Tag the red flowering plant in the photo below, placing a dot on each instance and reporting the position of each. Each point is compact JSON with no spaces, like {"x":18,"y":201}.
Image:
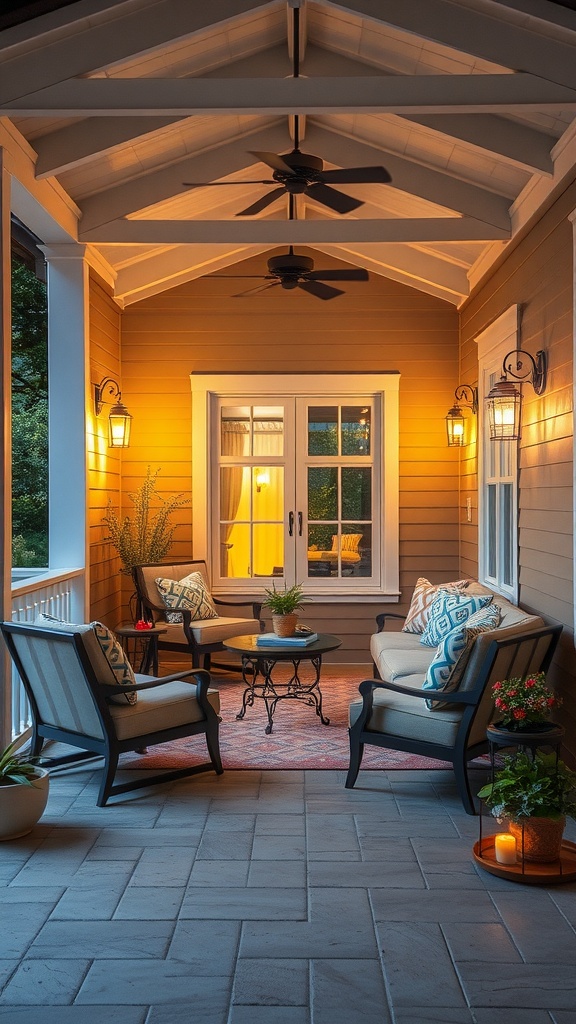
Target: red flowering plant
{"x":525,"y":702}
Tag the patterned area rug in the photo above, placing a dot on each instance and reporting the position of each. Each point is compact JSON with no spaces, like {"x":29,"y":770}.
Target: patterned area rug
{"x":298,"y":739}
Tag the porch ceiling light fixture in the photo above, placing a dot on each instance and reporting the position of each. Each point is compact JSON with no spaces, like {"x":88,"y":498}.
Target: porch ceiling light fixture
{"x":466,"y":396}
{"x":504,"y":401}
{"x":120,"y":420}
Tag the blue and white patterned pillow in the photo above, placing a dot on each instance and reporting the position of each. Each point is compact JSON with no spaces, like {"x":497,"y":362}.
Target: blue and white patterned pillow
{"x":190,"y":594}
{"x":447,"y":666}
{"x":448,"y":611}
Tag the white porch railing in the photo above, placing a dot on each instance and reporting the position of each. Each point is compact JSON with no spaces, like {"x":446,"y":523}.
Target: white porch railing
{"x":58,"y":593}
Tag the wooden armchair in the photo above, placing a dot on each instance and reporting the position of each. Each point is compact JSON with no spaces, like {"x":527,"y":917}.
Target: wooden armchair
{"x":71,"y":688}
{"x":198,"y":637}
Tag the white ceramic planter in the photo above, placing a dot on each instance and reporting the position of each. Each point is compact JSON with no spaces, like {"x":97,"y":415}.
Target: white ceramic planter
{"x":22,"y":806}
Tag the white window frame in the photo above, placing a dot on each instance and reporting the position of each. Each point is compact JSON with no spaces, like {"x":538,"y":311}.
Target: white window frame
{"x":384,"y":386}
{"x":501,"y":337}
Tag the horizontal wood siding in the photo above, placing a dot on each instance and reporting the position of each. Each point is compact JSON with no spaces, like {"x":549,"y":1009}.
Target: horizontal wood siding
{"x":537,"y":275}
{"x":375,"y":326}
{"x":104,"y":464}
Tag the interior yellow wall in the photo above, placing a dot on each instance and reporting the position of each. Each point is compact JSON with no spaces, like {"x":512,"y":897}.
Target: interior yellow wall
{"x":375,"y":326}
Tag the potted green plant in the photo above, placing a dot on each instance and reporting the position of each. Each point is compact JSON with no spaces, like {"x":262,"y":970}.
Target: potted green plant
{"x":534,"y":794}
{"x":23,"y":793}
{"x":284,"y":605}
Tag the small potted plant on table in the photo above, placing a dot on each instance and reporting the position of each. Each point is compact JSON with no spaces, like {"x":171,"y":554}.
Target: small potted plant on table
{"x":525,"y":705}
{"x":23,"y":793}
{"x":284,"y":605}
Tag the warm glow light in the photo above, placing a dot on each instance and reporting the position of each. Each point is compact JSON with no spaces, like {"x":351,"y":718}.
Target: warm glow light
{"x":119,"y":427}
{"x":262,"y":479}
{"x":505,"y":848}
{"x":455,"y":427}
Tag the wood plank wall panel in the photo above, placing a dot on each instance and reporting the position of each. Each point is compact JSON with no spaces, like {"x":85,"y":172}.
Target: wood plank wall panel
{"x":375,"y":326}
{"x":104,"y":464}
{"x":537,"y":275}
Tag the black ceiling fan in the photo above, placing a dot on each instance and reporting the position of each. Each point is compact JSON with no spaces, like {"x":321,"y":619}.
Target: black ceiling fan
{"x":298,"y":173}
{"x":290,"y":270}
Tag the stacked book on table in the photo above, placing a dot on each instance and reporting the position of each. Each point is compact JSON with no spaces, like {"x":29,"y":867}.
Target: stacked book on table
{"x":273,"y":640}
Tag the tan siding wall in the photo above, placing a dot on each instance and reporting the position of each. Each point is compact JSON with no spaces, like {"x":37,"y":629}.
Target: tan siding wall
{"x":380,"y":325}
{"x":104,"y":464}
{"x":538,"y":276}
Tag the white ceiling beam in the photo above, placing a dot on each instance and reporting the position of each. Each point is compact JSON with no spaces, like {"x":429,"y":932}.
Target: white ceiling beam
{"x":409,"y":265}
{"x":307,"y":232}
{"x":149,"y":189}
{"x":161,"y":270}
{"x":75,"y":144}
{"x":430,"y":94}
{"x":97,"y":43}
{"x":408,"y":176}
{"x":517,"y":143}
{"x":511,"y":43}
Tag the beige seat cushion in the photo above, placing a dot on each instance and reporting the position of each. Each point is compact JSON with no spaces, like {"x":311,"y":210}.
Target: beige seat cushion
{"x":408,"y":717}
{"x":162,"y":707}
{"x":210,"y":631}
{"x":397,"y":655}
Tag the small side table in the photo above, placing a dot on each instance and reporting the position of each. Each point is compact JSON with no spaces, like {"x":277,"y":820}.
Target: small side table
{"x":148,"y":638}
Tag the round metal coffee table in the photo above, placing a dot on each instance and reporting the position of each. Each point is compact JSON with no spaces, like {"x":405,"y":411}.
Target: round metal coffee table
{"x":259,"y":664}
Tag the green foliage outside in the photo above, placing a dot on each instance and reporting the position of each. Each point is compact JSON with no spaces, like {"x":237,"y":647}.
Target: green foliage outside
{"x":29,"y":418}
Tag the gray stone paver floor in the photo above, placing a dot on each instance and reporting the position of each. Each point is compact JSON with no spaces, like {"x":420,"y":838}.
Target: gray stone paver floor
{"x":275,"y":898}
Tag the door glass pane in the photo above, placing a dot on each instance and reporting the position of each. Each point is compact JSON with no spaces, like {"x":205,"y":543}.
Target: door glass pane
{"x":491,"y":530}
{"x":268,"y":549}
{"x":356,"y":493}
{"x":355,"y":430}
{"x":507,"y":532}
{"x":268,"y":430}
{"x":322,"y":492}
{"x":235,"y":550}
{"x":323,"y":430}
{"x":268,"y":493}
{"x":235,"y":430}
{"x":322,"y":559}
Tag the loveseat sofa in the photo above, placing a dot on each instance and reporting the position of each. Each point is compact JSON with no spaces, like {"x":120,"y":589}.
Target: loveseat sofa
{"x":397,"y":709}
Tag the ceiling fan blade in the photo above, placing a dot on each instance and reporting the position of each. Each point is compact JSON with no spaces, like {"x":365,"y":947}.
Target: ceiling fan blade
{"x":319,"y":290}
{"x":338,"y":275}
{"x":350,"y":175}
{"x":214,"y":184}
{"x":334,"y":200}
{"x":255,"y":291}
{"x":273,"y":160}
{"x":261,"y":204}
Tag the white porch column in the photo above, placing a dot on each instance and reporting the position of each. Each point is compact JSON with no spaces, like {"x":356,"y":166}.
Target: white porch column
{"x":5,"y":446}
{"x":68,"y":391}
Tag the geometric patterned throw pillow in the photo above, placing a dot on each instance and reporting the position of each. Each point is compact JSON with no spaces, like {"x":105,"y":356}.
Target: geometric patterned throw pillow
{"x":116,"y":658}
{"x":421,"y":603}
{"x":112,"y":650}
{"x":448,"y":611}
{"x":189,"y":594}
{"x":448,"y":665}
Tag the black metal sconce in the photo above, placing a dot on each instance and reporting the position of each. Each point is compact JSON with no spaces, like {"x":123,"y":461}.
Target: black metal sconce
{"x":120,"y":420}
{"x":504,"y":401}
{"x":466,"y":396}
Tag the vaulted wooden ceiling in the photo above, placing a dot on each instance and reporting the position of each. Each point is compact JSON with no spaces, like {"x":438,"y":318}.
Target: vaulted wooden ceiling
{"x":470,"y":105}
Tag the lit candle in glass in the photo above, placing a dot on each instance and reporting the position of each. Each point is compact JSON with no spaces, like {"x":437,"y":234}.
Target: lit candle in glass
{"x":505,"y":848}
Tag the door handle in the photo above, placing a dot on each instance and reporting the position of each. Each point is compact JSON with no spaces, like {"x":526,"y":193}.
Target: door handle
{"x":299,"y":524}
{"x":290,"y":524}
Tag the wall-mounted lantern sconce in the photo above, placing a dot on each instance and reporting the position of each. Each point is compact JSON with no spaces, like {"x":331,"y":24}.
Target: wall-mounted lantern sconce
{"x":504,"y":401}
{"x":466,"y":396}
{"x":120,"y":419}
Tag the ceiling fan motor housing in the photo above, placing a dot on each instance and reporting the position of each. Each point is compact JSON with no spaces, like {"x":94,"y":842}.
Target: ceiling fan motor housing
{"x":290,"y":263}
